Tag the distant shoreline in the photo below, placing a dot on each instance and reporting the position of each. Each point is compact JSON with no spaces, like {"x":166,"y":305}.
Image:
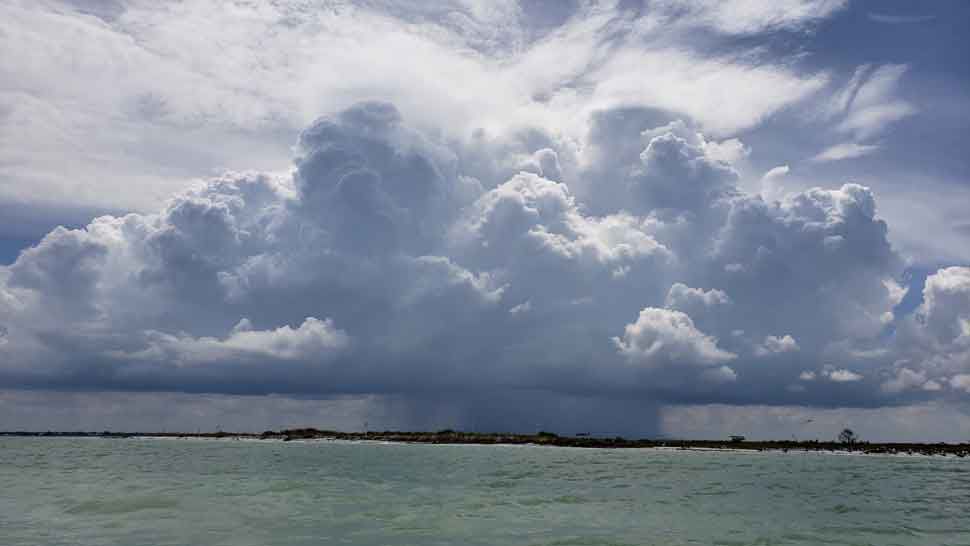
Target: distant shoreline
{"x":448,"y":437}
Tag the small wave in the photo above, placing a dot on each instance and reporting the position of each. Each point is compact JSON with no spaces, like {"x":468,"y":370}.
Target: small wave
{"x":123,"y":505}
{"x":844,"y":509}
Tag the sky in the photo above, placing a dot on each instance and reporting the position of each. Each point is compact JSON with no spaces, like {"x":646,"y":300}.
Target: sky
{"x":685,"y":218}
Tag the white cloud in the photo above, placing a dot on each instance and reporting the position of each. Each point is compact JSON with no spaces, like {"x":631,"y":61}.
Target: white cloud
{"x":429,"y":277}
{"x":523,"y":307}
{"x":784,"y":250}
{"x":684,"y":298}
{"x":841,"y":375}
{"x":689,"y":84}
{"x":530,"y":214}
{"x":866,"y":106}
{"x":751,"y":16}
{"x":961,"y":382}
{"x":731,"y":150}
{"x":161,"y":81}
{"x":845,"y":150}
{"x":314,"y":340}
{"x":500,"y":241}
{"x":899,"y":19}
{"x":945,"y":311}
{"x":776,"y":172}
{"x":905,"y":379}
{"x":896,"y":291}
{"x":776,"y":345}
{"x":677,"y":174}
{"x":721,"y":374}
{"x":933,"y":343}
{"x":872,"y":120}
{"x":663,"y":337}
{"x":870,"y":101}
{"x":771,"y":183}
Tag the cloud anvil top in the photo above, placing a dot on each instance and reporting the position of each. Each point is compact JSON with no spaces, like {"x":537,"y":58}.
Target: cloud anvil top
{"x":494,"y":214}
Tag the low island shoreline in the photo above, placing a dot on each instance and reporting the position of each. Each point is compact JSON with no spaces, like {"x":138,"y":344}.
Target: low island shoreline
{"x":450,"y":437}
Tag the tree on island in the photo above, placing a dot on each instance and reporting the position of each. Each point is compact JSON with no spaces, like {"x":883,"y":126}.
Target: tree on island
{"x":847,"y":436}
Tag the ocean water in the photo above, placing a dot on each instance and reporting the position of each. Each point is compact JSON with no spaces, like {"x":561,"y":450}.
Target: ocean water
{"x":204,"y":492}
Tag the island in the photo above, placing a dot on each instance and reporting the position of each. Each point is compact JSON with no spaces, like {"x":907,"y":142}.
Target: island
{"x":582,"y":440}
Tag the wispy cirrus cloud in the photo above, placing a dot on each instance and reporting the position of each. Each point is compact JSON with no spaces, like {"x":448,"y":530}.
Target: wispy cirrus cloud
{"x":899,"y":19}
{"x":864,"y":108}
{"x":845,"y":150}
{"x":746,"y":17}
{"x":158,"y":81}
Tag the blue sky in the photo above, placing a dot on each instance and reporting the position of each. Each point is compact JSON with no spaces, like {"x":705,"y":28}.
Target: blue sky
{"x":676,"y":217}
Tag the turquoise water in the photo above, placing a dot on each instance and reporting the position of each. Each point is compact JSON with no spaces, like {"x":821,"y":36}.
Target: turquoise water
{"x":196,"y":492}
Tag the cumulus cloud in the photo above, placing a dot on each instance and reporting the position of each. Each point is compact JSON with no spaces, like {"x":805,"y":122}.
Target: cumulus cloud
{"x":726,"y":151}
{"x":841,"y":375}
{"x":772,"y":183}
{"x":776,"y":172}
{"x":683,"y":298}
{"x":314,"y":340}
{"x":530,"y":214}
{"x":678,"y":174}
{"x":945,"y":311}
{"x":383,"y":265}
{"x":961,"y":382}
{"x":787,"y":253}
{"x":662,"y":337}
{"x":578,"y":241}
{"x":777,"y":344}
{"x":907,"y":379}
{"x":934,"y":341}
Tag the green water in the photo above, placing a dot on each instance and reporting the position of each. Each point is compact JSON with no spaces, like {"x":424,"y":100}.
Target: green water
{"x":196,"y":492}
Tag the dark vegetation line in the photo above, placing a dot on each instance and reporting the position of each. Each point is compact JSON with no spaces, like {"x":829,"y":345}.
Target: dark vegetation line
{"x":541,"y":438}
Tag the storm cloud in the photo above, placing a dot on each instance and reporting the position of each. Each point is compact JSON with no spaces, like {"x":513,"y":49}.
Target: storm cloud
{"x":488,"y":215}
{"x":377,"y":266}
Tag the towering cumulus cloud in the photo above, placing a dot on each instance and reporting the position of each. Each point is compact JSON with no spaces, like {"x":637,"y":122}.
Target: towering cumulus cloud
{"x":386,"y":263}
